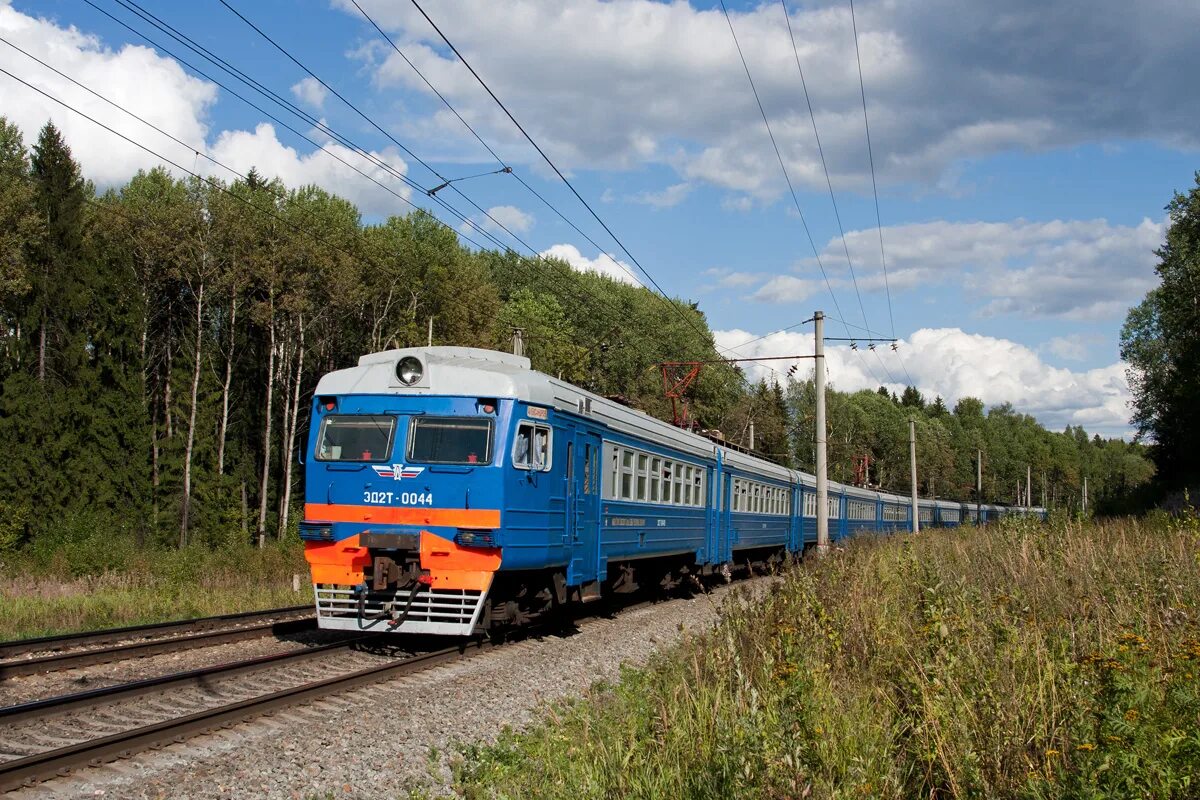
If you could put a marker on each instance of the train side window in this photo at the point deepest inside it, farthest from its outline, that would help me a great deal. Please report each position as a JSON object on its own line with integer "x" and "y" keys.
{"x": 643, "y": 462}
{"x": 587, "y": 468}
{"x": 531, "y": 449}
{"x": 612, "y": 478}
{"x": 655, "y": 478}
{"x": 626, "y": 474}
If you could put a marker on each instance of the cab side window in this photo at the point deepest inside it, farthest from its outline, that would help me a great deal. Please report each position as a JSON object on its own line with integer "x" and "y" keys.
{"x": 531, "y": 448}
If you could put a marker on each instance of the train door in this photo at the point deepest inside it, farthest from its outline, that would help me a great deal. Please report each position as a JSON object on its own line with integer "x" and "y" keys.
{"x": 583, "y": 503}
{"x": 725, "y": 540}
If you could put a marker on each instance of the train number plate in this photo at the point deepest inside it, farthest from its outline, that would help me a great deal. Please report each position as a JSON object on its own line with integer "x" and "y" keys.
{"x": 402, "y": 498}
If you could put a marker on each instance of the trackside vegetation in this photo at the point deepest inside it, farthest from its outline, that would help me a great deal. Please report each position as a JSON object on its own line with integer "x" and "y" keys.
{"x": 1018, "y": 660}
{"x": 85, "y": 574}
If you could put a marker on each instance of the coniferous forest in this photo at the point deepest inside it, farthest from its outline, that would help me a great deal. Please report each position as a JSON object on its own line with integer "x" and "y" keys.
{"x": 160, "y": 342}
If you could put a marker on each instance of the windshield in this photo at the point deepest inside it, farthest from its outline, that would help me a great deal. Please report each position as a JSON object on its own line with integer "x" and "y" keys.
{"x": 450, "y": 440}
{"x": 356, "y": 438}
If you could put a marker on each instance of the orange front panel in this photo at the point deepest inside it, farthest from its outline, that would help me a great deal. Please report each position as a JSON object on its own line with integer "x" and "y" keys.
{"x": 454, "y": 567}
{"x": 340, "y": 563}
{"x": 390, "y": 515}
{"x": 450, "y": 565}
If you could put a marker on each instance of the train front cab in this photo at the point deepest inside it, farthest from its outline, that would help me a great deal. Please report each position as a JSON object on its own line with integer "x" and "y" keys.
{"x": 402, "y": 512}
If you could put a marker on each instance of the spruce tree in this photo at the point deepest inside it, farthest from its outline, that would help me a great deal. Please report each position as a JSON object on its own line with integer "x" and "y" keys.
{"x": 59, "y": 295}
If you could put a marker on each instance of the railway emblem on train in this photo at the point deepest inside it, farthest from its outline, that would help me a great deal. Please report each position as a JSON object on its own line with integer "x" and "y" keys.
{"x": 397, "y": 471}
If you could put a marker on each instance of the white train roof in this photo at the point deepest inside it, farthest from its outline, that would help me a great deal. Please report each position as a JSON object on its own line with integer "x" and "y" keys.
{"x": 475, "y": 372}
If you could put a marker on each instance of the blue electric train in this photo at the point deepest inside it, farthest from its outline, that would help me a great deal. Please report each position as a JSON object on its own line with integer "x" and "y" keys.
{"x": 454, "y": 489}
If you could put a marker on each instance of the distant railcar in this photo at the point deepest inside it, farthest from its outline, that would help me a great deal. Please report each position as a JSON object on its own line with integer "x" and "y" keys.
{"x": 450, "y": 490}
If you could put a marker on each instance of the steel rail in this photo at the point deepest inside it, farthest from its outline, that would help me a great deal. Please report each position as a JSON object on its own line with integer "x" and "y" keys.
{"x": 17, "y": 647}
{"x": 91, "y": 698}
{"x": 83, "y": 658}
{"x": 30, "y": 769}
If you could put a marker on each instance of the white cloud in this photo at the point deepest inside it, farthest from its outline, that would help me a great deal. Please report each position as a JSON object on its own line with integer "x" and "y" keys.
{"x": 742, "y": 203}
{"x": 136, "y": 78}
{"x": 1070, "y": 348}
{"x": 955, "y": 364}
{"x": 947, "y": 80}
{"x": 729, "y": 279}
{"x": 158, "y": 90}
{"x": 510, "y": 217}
{"x": 786, "y": 289}
{"x": 310, "y": 92}
{"x": 602, "y": 264}
{"x": 667, "y": 198}
{"x": 263, "y": 151}
{"x": 1070, "y": 269}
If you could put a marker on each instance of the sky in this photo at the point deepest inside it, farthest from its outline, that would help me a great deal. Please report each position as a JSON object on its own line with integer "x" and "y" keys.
{"x": 1023, "y": 154}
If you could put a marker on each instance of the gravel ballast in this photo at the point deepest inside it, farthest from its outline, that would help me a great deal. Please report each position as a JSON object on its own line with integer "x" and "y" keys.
{"x": 376, "y": 742}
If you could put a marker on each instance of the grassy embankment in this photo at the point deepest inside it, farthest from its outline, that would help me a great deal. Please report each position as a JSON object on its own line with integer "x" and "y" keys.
{"x": 1014, "y": 661}
{"x": 90, "y": 581}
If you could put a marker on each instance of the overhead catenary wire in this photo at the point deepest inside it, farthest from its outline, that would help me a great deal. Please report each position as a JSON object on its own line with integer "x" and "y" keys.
{"x": 270, "y": 94}
{"x": 209, "y": 181}
{"x": 274, "y": 97}
{"x": 557, "y": 171}
{"x": 871, "y": 160}
{"x": 282, "y": 102}
{"x": 772, "y": 333}
{"x": 291, "y": 107}
{"x": 506, "y": 167}
{"x": 782, "y": 166}
{"x": 837, "y": 215}
{"x": 423, "y": 163}
{"x": 366, "y": 118}
{"x": 862, "y": 88}
{"x": 198, "y": 150}
{"x": 603, "y": 253}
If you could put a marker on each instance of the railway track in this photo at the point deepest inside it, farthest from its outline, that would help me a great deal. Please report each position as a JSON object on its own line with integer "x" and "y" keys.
{"x": 69, "y": 732}
{"x": 53, "y": 653}
{"x": 42, "y": 739}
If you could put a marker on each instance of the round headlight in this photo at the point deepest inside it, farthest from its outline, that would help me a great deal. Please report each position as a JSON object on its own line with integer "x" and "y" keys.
{"x": 408, "y": 370}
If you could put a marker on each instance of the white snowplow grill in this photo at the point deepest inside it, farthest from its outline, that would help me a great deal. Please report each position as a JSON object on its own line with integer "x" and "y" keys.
{"x": 449, "y": 612}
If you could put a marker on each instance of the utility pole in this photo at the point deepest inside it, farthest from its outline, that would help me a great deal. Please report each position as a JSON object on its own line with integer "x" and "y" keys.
{"x": 822, "y": 466}
{"x": 431, "y": 331}
{"x": 751, "y": 434}
{"x": 1085, "y": 494}
{"x": 518, "y": 346}
{"x": 1028, "y": 487}
{"x": 912, "y": 461}
{"x": 978, "y": 486}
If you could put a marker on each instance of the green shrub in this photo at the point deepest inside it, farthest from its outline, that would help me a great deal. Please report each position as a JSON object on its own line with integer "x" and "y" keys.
{"x": 82, "y": 542}
{"x": 1016, "y": 660}
{"x": 14, "y": 521}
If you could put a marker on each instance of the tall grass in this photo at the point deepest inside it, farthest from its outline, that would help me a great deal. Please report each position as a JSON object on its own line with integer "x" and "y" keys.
{"x": 1020, "y": 660}
{"x": 86, "y": 574}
